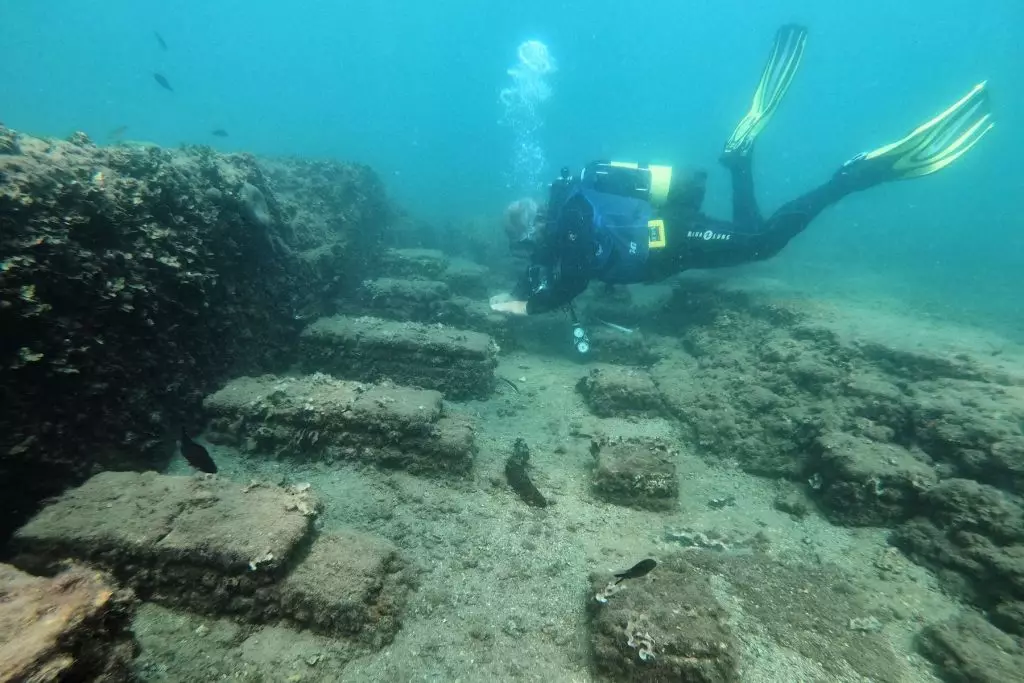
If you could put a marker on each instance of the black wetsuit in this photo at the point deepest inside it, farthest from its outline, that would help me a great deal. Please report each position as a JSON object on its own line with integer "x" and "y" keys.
{"x": 563, "y": 264}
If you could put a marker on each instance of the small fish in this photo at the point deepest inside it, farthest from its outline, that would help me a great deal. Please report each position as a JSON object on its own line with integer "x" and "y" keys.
{"x": 219, "y": 132}
{"x": 117, "y": 132}
{"x": 639, "y": 569}
{"x": 197, "y": 455}
{"x": 163, "y": 82}
{"x": 160, "y": 41}
{"x": 620, "y": 328}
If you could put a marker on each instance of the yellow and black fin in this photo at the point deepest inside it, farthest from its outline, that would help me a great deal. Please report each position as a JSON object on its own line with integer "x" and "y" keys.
{"x": 936, "y": 143}
{"x": 778, "y": 73}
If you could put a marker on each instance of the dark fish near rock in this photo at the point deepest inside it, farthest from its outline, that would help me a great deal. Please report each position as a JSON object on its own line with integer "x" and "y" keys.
{"x": 160, "y": 41}
{"x": 159, "y": 78}
{"x": 196, "y": 454}
{"x": 219, "y": 132}
{"x": 639, "y": 569}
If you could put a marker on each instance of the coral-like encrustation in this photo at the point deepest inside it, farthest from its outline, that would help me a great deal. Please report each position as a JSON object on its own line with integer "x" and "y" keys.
{"x": 134, "y": 279}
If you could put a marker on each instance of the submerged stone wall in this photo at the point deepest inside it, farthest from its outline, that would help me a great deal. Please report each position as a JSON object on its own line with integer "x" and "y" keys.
{"x": 215, "y": 547}
{"x": 135, "y": 279}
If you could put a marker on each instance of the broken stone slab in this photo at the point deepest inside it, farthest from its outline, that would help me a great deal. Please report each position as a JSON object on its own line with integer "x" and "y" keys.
{"x": 327, "y": 418}
{"x": 212, "y": 546}
{"x": 866, "y": 483}
{"x": 75, "y": 626}
{"x": 458, "y": 363}
{"x": 351, "y": 584}
{"x": 613, "y": 390}
{"x": 635, "y": 472}
{"x": 976, "y": 427}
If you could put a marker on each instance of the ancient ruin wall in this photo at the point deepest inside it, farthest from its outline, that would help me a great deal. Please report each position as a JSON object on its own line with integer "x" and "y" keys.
{"x": 135, "y": 279}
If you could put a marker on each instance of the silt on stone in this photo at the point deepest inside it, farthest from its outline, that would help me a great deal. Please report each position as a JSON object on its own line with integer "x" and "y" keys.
{"x": 635, "y": 472}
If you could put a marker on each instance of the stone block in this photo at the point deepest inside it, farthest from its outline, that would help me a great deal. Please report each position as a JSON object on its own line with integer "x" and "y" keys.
{"x": 318, "y": 416}
{"x": 615, "y": 390}
{"x": 458, "y": 363}
{"x": 427, "y": 264}
{"x": 638, "y": 473}
{"x": 212, "y": 546}
{"x": 666, "y": 626}
{"x": 866, "y": 483}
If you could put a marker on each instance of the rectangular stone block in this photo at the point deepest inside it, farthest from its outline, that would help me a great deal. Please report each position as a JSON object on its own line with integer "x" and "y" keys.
{"x": 318, "y": 416}
{"x": 458, "y": 363}
{"x": 427, "y": 264}
{"x": 215, "y": 547}
{"x": 615, "y": 390}
{"x": 398, "y": 299}
{"x": 635, "y": 472}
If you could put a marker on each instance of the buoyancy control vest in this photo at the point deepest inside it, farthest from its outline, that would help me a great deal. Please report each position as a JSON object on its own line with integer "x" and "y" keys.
{"x": 622, "y": 198}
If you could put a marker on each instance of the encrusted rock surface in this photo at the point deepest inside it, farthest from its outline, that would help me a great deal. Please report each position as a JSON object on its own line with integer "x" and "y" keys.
{"x": 708, "y": 615}
{"x": 216, "y": 547}
{"x": 968, "y": 648}
{"x": 133, "y": 279}
{"x": 611, "y": 390}
{"x": 635, "y": 472}
{"x": 861, "y": 482}
{"x": 977, "y": 531}
{"x": 73, "y": 627}
{"x": 458, "y": 363}
{"x": 666, "y": 626}
{"x": 319, "y": 416}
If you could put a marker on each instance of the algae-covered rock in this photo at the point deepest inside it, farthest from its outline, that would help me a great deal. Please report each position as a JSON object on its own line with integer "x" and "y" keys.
{"x": 218, "y": 548}
{"x": 134, "y": 279}
{"x": 320, "y": 417}
{"x": 635, "y": 472}
{"x": 667, "y": 626}
{"x": 458, "y": 363}
{"x": 861, "y": 482}
{"x": 968, "y": 649}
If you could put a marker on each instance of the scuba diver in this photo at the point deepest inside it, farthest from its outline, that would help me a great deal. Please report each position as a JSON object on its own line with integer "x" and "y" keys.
{"x": 624, "y": 223}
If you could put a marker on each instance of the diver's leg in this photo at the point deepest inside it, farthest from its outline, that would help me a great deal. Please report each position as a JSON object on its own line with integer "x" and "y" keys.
{"x": 745, "y": 213}
{"x": 929, "y": 148}
{"x": 787, "y": 51}
{"x": 783, "y": 61}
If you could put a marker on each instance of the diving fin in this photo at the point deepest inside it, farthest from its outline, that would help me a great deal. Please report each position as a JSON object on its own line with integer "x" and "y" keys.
{"x": 930, "y": 147}
{"x": 775, "y": 79}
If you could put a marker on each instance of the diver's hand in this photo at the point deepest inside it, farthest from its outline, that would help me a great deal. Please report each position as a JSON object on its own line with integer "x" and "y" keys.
{"x": 504, "y": 303}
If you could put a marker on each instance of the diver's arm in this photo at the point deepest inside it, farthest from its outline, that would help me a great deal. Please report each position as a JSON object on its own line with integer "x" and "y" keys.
{"x": 556, "y": 295}
{"x": 560, "y": 268}
{"x": 571, "y": 250}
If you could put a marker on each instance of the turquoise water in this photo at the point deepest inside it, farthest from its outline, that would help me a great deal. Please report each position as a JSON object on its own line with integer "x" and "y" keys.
{"x": 463, "y": 106}
{"x": 413, "y": 90}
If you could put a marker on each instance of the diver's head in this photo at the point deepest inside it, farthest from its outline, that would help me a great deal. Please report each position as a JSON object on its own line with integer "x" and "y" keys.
{"x": 522, "y": 224}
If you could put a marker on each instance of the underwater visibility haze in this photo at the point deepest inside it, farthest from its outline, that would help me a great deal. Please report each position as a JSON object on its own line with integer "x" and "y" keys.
{"x": 533, "y": 341}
